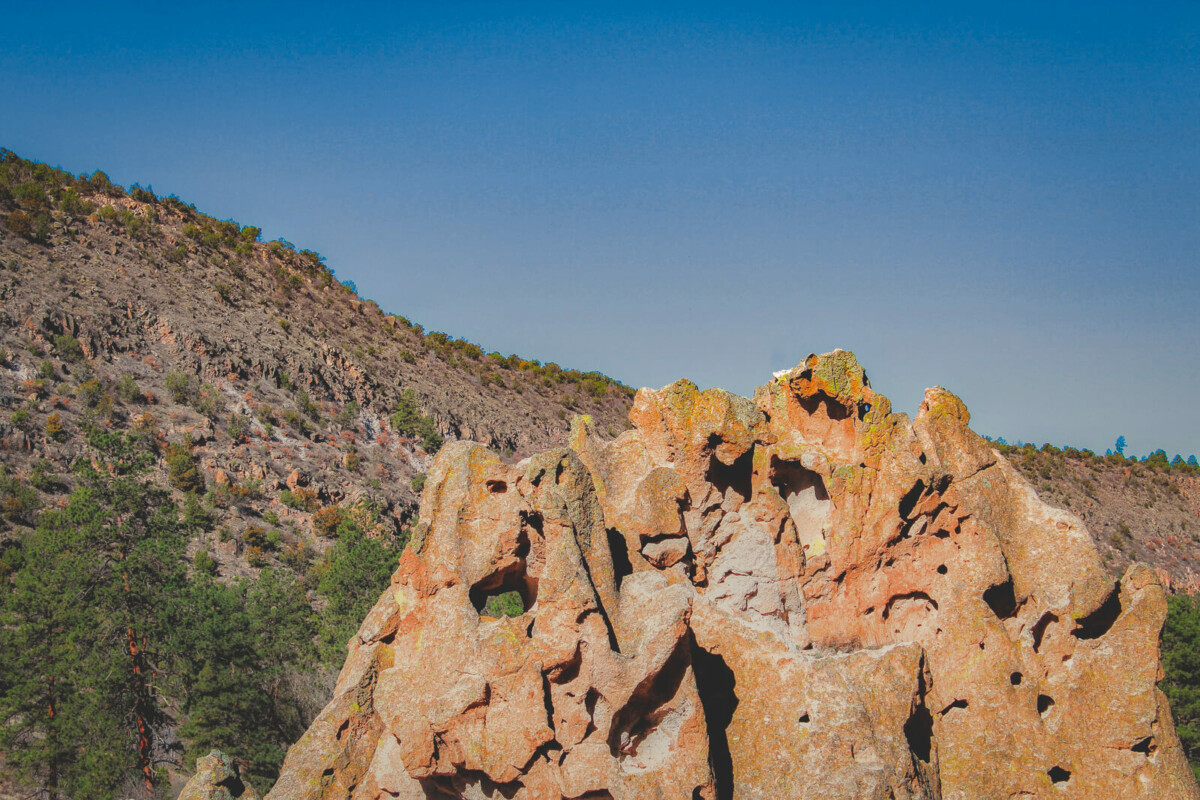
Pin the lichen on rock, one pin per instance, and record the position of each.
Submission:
(803, 595)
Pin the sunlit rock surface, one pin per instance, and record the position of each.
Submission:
(802, 595)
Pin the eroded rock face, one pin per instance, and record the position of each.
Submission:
(802, 595)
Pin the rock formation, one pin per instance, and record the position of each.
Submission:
(803, 595)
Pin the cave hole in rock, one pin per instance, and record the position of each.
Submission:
(1145, 746)
(1096, 624)
(1044, 702)
(808, 502)
(1038, 631)
(1058, 775)
(589, 702)
(595, 794)
(941, 570)
(496, 486)
(233, 784)
(918, 731)
(510, 592)
(1001, 600)
(619, 548)
(909, 501)
(863, 410)
(717, 687)
(1015, 679)
(804, 718)
(833, 409)
(736, 476)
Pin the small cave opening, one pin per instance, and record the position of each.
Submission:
(737, 476)
(1044, 702)
(1098, 623)
(918, 730)
(619, 548)
(1015, 679)
(1001, 599)
(1145, 746)
(807, 499)
(942, 570)
(833, 409)
(909, 501)
(1059, 776)
(804, 718)
(233, 784)
(510, 592)
(496, 486)
(717, 686)
(1039, 629)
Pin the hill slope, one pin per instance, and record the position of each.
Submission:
(134, 310)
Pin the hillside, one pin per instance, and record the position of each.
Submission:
(133, 311)
(1145, 511)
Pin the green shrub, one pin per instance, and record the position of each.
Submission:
(128, 389)
(181, 470)
(100, 182)
(348, 414)
(505, 604)
(68, 348)
(203, 563)
(408, 420)
(182, 387)
(90, 392)
(239, 427)
(42, 476)
(210, 402)
(176, 254)
(74, 206)
(20, 420)
(141, 195)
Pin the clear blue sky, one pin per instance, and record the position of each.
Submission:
(1003, 200)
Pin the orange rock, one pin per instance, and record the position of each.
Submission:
(800, 596)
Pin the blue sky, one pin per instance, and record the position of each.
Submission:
(1003, 200)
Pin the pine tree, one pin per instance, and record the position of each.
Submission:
(86, 628)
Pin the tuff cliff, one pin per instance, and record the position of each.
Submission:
(801, 595)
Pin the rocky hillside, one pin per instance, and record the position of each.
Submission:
(802, 595)
(1145, 510)
(278, 391)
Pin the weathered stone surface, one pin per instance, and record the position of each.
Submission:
(217, 778)
(802, 595)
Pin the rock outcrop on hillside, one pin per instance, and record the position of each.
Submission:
(803, 595)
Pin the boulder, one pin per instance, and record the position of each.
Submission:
(803, 595)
